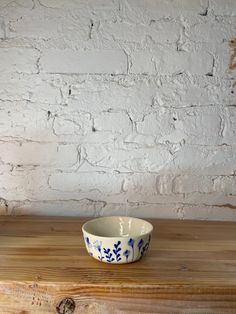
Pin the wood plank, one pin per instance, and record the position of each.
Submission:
(190, 268)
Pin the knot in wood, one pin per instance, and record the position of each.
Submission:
(66, 306)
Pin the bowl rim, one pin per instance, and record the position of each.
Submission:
(116, 237)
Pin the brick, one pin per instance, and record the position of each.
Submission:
(32, 88)
(191, 184)
(144, 11)
(101, 138)
(114, 122)
(155, 124)
(72, 124)
(185, 91)
(225, 185)
(31, 26)
(199, 62)
(171, 62)
(113, 209)
(84, 207)
(14, 186)
(55, 22)
(141, 210)
(17, 3)
(74, 4)
(201, 126)
(202, 212)
(45, 92)
(140, 139)
(227, 8)
(130, 94)
(5, 168)
(148, 187)
(37, 154)
(230, 126)
(153, 210)
(129, 159)
(164, 184)
(222, 54)
(140, 184)
(214, 31)
(96, 10)
(24, 122)
(160, 28)
(58, 4)
(144, 62)
(209, 160)
(69, 61)
(191, 125)
(18, 60)
(123, 31)
(103, 183)
(2, 28)
(137, 33)
(23, 183)
(216, 199)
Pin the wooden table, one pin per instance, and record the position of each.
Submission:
(44, 268)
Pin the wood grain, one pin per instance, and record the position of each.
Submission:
(190, 268)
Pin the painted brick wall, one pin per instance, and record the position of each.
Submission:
(118, 107)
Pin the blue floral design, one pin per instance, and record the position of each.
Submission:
(88, 242)
(131, 243)
(140, 244)
(108, 255)
(116, 254)
(98, 246)
(126, 254)
(89, 245)
(117, 250)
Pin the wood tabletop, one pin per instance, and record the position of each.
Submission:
(44, 268)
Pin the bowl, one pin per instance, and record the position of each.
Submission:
(117, 239)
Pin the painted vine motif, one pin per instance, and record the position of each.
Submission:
(111, 255)
(108, 255)
(117, 250)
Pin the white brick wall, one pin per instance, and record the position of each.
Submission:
(79, 62)
(118, 107)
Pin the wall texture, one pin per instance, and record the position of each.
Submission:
(118, 107)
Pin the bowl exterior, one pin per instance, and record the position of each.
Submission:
(117, 250)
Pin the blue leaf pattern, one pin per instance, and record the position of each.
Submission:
(131, 243)
(89, 244)
(117, 250)
(115, 254)
(126, 254)
(140, 244)
(108, 255)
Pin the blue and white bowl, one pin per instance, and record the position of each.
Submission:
(117, 239)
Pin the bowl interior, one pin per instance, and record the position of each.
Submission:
(117, 226)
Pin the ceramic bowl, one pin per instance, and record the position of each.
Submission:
(117, 239)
